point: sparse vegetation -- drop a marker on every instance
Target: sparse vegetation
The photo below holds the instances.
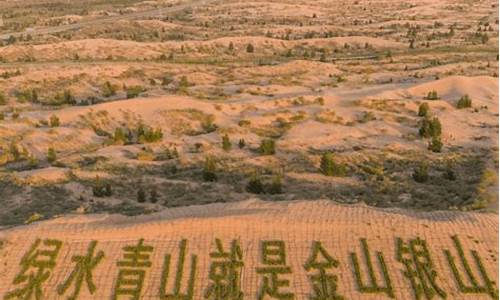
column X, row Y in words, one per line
column 329, row 167
column 423, row 110
column 421, row 173
column 267, row 147
column 464, row 102
column 209, row 169
column 432, row 95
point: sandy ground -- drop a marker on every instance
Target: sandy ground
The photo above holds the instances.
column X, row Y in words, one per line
column 297, row 223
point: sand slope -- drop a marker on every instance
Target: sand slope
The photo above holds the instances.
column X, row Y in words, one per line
column 298, row 224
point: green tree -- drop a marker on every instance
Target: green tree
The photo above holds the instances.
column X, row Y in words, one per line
column 421, row 173
column 141, row 195
column 432, row 95
column 226, row 143
column 134, row 91
column 184, row 83
column 464, row 102
column 255, row 185
column 329, row 167
column 430, row 127
column 423, row 110
column 241, row 143
column 51, row 155
column 153, row 195
column 267, row 147
column 108, row 192
column 449, row 173
column 209, row 169
column 54, row 121
column 3, row 100
column 119, row 136
column 108, row 89
column 276, row 185
column 250, row 48
column 435, row 144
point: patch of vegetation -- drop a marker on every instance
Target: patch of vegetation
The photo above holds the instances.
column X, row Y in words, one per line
column 267, row 147
column 464, row 102
column 329, row 167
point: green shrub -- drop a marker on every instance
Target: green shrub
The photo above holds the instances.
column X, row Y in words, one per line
column 108, row 89
column 3, row 100
column 51, row 155
column 119, row 136
column 423, row 110
column 430, row 128
column 367, row 117
column 183, row 84
column 464, row 102
column 153, row 195
column 99, row 189
column 30, row 95
column 276, row 186
column 241, row 143
column 267, row 147
column 65, row 97
column 449, row 173
column 54, row 121
column 432, row 95
column 435, row 144
column 255, row 185
column 146, row 134
column 209, row 169
column 208, row 125
column 226, row 143
column 243, row 123
column 329, row 167
column 421, row 173
column 141, row 195
column 134, row 91
column 250, row 48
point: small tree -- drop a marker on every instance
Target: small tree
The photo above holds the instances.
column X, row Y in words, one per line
column 435, row 145
column 421, row 173
column 209, row 169
column 464, row 102
column 107, row 190
column 329, row 167
column 241, row 143
column 276, row 185
column 432, row 95
column 141, row 195
column 51, row 155
column 3, row 100
column 134, row 91
column 430, row 128
column 153, row 195
column 98, row 188
column 184, row 83
column 326, row 165
column 231, row 46
column 254, row 185
column 226, row 143
column 119, row 137
column 267, row 147
column 108, row 89
column 449, row 173
column 54, row 121
column 250, row 48
column 423, row 110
